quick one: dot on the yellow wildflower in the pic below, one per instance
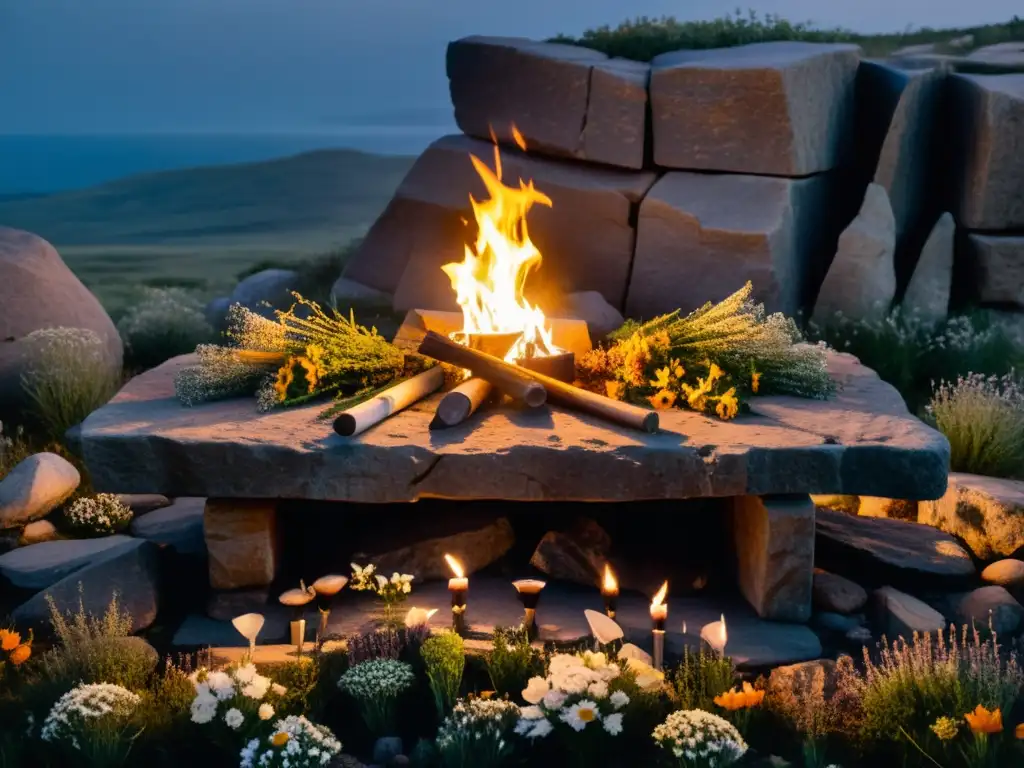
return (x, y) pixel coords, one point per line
(696, 397)
(279, 739)
(728, 406)
(9, 640)
(664, 399)
(21, 654)
(311, 372)
(283, 381)
(677, 369)
(714, 374)
(982, 720)
(660, 340)
(755, 381)
(946, 728)
(636, 356)
(740, 699)
(615, 389)
(663, 375)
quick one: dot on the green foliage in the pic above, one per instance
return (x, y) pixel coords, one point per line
(700, 677)
(912, 354)
(164, 719)
(14, 448)
(167, 322)
(644, 38)
(445, 658)
(512, 662)
(983, 419)
(68, 377)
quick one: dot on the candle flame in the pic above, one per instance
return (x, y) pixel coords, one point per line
(659, 598)
(725, 633)
(610, 583)
(456, 566)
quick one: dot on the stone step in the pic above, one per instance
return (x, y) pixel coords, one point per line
(37, 566)
(178, 526)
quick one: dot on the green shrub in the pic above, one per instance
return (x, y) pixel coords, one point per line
(92, 725)
(912, 354)
(166, 323)
(445, 658)
(68, 377)
(512, 662)
(14, 449)
(700, 677)
(164, 718)
(983, 419)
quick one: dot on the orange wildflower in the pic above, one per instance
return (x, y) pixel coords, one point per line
(615, 389)
(983, 721)
(664, 399)
(755, 381)
(279, 739)
(740, 698)
(1019, 731)
(9, 640)
(21, 654)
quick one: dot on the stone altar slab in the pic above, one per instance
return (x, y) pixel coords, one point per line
(862, 442)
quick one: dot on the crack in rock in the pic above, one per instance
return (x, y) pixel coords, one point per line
(418, 478)
(586, 113)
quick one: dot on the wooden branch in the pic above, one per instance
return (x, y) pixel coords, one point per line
(491, 368)
(360, 418)
(461, 403)
(510, 379)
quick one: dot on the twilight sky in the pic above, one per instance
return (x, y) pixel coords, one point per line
(69, 66)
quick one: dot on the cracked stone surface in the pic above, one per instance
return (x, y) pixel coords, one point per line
(566, 100)
(586, 236)
(862, 442)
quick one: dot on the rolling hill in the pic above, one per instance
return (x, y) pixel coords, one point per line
(200, 227)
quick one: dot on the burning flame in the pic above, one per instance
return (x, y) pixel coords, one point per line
(724, 633)
(659, 598)
(610, 584)
(489, 281)
(456, 566)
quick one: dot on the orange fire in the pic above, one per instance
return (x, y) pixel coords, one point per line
(455, 565)
(660, 596)
(489, 281)
(610, 584)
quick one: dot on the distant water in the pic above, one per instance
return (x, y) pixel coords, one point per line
(39, 164)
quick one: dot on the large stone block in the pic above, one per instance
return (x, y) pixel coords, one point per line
(35, 487)
(989, 154)
(242, 542)
(565, 100)
(586, 238)
(901, 615)
(775, 554)
(930, 284)
(779, 108)
(700, 237)
(987, 513)
(861, 281)
(997, 262)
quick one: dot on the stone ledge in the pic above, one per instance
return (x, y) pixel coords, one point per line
(863, 442)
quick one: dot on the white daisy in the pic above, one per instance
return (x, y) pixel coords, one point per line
(579, 714)
(266, 712)
(234, 718)
(613, 723)
(619, 699)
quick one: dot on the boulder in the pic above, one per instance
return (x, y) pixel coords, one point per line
(586, 238)
(928, 291)
(990, 114)
(987, 513)
(1009, 53)
(241, 541)
(216, 312)
(141, 503)
(901, 615)
(778, 108)
(882, 551)
(565, 100)
(37, 290)
(349, 293)
(898, 111)
(590, 306)
(834, 622)
(37, 532)
(896, 509)
(178, 527)
(997, 264)
(807, 681)
(984, 606)
(861, 281)
(474, 537)
(700, 237)
(266, 291)
(128, 569)
(774, 538)
(35, 487)
(39, 565)
(1007, 573)
(835, 593)
(578, 554)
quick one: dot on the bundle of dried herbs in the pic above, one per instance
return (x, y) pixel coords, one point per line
(304, 354)
(710, 360)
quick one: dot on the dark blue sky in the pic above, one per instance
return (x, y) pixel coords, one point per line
(272, 65)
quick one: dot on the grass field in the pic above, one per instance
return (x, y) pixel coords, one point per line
(200, 228)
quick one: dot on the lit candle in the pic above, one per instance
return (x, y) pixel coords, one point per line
(659, 613)
(609, 591)
(458, 586)
(529, 595)
(716, 635)
(326, 588)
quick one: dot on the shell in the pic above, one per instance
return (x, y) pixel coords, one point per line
(419, 617)
(604, 629)
(330, 585)
(296, 597)
(249, 625)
